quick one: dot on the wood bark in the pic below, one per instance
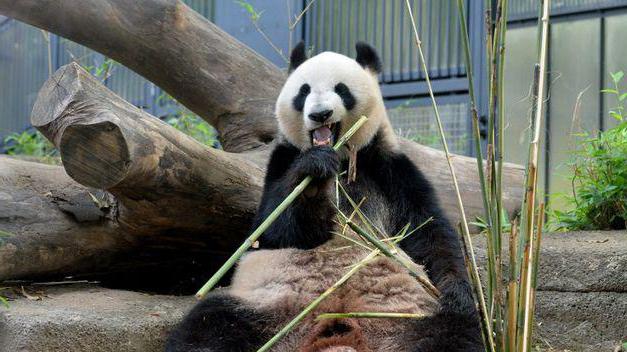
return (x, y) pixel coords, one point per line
(165, 181)
(50, 224)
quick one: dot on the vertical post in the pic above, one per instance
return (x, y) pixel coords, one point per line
(476, 29)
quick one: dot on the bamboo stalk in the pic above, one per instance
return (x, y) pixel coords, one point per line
(512, 291)
(534, 274)
(271, 218)
(530, 195)
(394, 255)
(497, 164)
(464, 222)
(371, 315)
(473, 110)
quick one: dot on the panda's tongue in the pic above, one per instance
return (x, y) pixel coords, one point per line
(322, 136)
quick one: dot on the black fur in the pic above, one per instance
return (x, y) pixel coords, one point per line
(299, 100)
(367, 57)
(298, 56)
(220, 323)
(347, 97)
(308, 222)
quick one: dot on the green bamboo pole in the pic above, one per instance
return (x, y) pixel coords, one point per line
(371, 315)
(534, 273)
(531, 178)
(271, 218)
(464, 223)
(473, 109)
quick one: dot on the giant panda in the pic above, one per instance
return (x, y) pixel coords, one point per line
(299, 256)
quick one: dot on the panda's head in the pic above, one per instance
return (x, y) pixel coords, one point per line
(324, 95)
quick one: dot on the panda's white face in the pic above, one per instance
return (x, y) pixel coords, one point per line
(324, 96)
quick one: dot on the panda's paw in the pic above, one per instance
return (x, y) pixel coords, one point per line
(319, 163)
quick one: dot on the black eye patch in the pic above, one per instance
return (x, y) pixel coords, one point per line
(347, 97)
(299, 99)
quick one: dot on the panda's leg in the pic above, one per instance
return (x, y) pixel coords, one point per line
(220, 322)
(447, 332)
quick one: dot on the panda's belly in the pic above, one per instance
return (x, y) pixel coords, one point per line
(284, 281)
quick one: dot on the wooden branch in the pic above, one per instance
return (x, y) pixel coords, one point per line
(433, 164)
(50, 224)
(165, 181)
(203, 67)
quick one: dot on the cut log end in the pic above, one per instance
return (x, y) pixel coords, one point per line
(95, 155)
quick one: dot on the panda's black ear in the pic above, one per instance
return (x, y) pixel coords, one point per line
(367, 57)
(297, 56)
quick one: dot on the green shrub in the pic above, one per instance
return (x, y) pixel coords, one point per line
(195, 127)
(599, 181)
(30, 143)
(189, 123)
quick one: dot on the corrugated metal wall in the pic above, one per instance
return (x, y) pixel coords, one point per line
(529, 8)
(337, 25)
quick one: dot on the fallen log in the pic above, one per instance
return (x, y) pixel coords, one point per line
(51, 224)
(164, 181)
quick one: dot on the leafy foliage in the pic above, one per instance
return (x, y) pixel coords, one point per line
(29, 142)
(190, 123)
(254, 14)
(599, 181)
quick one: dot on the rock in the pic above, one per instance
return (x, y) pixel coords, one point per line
(576, 321)
(94, 319)
(582, 261)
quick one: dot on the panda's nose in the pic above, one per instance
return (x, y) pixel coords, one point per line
(321, 116)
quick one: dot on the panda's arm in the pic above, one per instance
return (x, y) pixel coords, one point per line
(307, 222)
(436, 244)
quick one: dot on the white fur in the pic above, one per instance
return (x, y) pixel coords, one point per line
(322, 72)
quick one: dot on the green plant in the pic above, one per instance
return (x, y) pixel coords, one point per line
(189, 123)
(599, 178)
(29, 142)
(195, 127)
(102, 71)
(482, 224)
(617, 112)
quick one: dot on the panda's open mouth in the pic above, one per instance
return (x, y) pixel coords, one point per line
(325, 135)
